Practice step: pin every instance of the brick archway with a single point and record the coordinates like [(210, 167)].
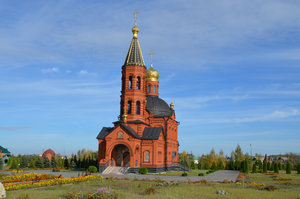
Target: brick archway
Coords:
[(120, 156)]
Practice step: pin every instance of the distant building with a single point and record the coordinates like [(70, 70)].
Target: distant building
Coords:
[(4, 154), (49, 153)]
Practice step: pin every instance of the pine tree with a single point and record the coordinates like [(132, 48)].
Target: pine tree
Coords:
[(268, 165), (272, 166), (66, 163), (265, 167), (32, 164), (39, 163), (213, 166), (246, 166), (279, 165), (73, 164), (237, 165), (298, 168), (220, 164), (254, 169), (46, 162), (276, 168), (53, 162), (14, 164), (1, 163), (288, 168), (23, 163), (231, 166)]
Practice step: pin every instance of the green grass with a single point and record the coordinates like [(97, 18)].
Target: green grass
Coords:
[(136, 189)]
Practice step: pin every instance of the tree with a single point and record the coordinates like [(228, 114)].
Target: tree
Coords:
[(288, 168), (298, 168), (46, 162), (213, 166), (53, 162), (265, 170), (66, 163), (237, 165), (269, 166), (238, 153), (279, 165), (32, 164), (276, 168), (220, 164), (23, 163), (1, 163), (73, 164), (14, 164), (254, 169), (39, 163), (231, 166), (246, 165)]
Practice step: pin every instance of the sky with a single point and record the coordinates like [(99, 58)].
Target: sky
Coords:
[(232, 69)]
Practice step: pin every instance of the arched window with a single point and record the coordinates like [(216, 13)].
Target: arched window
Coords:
[(129, 107), (138, 83), (138, 107), (153, 89), (130, 82), (147, 156), (149, 88)]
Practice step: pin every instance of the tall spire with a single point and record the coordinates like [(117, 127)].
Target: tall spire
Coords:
[(134, 56)]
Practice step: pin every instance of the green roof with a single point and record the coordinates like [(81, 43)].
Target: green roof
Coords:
[(4, 150)]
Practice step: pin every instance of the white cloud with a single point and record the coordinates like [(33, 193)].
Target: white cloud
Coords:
[(83, 72), (50, 70)]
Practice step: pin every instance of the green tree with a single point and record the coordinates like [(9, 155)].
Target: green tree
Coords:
[(73, 164), (265, 168), (288, 168), (254, 168), (220, 164), (14, 164), (213, 166), (66, 163), (1, 163), (32, 164), (23, 163), (298, 168), (39, 162), (53, 162), (199, 165), (237, 165), (246, 165), (279, 165), (238, 153), (276, 168), (269, 166), (46, 162)]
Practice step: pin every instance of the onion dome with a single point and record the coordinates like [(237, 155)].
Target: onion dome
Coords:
[(152, 74), (135, 31), (171, 105)]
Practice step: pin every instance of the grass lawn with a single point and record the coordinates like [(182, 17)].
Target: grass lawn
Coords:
[(137, 189)]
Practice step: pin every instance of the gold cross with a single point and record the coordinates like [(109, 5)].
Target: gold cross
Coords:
[(151, 54), (135, 14)]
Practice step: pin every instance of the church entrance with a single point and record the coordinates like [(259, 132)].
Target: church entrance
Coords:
[(120, 156)]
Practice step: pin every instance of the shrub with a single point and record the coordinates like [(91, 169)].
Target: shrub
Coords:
[(265, 167), (201, 174), (143, 170), (288, 168), (276, 168), (184, 174), (298, 168), (254, 170), (92, 169), (1, 164)]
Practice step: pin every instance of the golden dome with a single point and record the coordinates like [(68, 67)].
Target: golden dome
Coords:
[(135, 30), (152, 74), (171, 105)]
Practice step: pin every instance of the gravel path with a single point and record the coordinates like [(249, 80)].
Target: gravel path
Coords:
[(216, 176)]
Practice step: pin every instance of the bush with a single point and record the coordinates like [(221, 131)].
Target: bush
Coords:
[(184, 174), (265, 167), (92, 169), (1, 164), (254, 169), (298, 168), (276, 168), (143, 170), (288, 168), (201, 174)]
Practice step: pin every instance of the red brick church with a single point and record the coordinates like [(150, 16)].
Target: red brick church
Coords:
[(146, 133)]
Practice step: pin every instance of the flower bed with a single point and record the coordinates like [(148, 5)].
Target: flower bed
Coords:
[(27, 177), (282, 179), (251, 184), (56, 181)]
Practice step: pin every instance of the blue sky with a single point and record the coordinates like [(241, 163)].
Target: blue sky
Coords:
[(231, 67)]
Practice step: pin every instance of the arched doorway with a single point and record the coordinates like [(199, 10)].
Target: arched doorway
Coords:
[(120, 156)]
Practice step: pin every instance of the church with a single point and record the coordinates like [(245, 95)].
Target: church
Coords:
[(146, 133)]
